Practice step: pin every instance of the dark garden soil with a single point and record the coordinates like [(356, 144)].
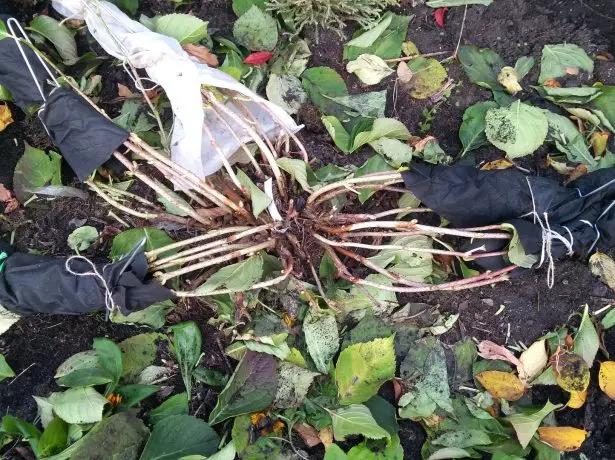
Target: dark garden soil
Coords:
[(513, 28)]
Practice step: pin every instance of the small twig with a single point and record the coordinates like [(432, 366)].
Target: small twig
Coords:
[(378, 178), (416, 56), (21, 373), (116, 204)]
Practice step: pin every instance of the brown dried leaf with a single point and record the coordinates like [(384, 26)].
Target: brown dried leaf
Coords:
[(6, 117), (490, 350), (552, 83), (579, 171), (326, 436), (562, 438), (404, 74), (202, 53), (308, 433), (559, 166), (123, 91), (420, 145)]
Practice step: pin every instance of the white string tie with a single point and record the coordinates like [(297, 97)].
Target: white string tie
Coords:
[(110, 305)]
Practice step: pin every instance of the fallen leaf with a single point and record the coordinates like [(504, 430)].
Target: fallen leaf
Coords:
[(409, 49), (490, 350), (577, 399), (603, 267), (398, 390), (9, 200), (123, 91), (562, 438), (421, 144), (571, 372), (533, 361), (308, 433), (509, 79), (497, 164), (606, 378), (552, 83), (326, 436), (571, 70), (202, 53), (502, 385), (599, 141), (579, 171), (404, 74), (258, 58), (6, 117), (439, 15), (559, 166)]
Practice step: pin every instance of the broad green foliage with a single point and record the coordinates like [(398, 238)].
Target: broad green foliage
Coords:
[(124, 242), (526, 424), (482, 66), (182, 27), (54, 438), (235, 277), (34, 170), (472, 130), (138, 352), (606, 103), (516, 252), (299, 171), (384, 40), (175, 405), (256, 30), (322, 339), (567, 138), (518, 130), (242, 6), (152, 316), (322, 84), (110, 360), (187, 348), (133, 394), (362, 368), (79, 405), (392, 450), (251, 388), (260, 200), (5, 369), (82, 238), (59, 35), (356, 419), (558, 60), (574, 95)]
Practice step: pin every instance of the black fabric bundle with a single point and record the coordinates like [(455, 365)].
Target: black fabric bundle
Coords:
[(41, 284), (582, 212)]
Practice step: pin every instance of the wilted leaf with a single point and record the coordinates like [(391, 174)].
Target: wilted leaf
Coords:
[(299, 170), (287, 92), (322, 339), (5, 369), (603, 267), (251, 388), (79, 405), (59, 35), (34, 170), (256, 30), (606, 378), (82, 238), (182, 27), (586, 340), (496, 164), (308, 434), (356, 419), (533, 361), (562, 438), (577, 399), (571, 372), (6, 117), (526, 424), (599, 141), (370, 69), (153, 316), (518, 130), (202, 53), (509, 79), (123, 90), (472, 130), (236, 277), (502, 385), (562, 59), (426, 77), (187, 348), (363, 367)]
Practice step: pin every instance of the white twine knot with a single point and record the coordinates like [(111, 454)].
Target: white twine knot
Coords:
[(110, 305)]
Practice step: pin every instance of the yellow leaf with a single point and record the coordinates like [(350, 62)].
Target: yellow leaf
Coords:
[(6, 117), (577, 399), (533, 361), (502, 385), (571, 372), (606, 378), (509, 79), (326, 436), (562, 438), (603, 267), (496, 164), (599, 142)]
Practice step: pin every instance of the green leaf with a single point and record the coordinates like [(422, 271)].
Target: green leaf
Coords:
[(138, 352), (607, 322), (516, 252), (386, 45), (321, 338), (17, 427), (518, 130), (568, 139), (396, 152), (524, 65), (241, 6), (287, 92), (59, 35), (175, 405), (525, 425), (448, 453), (34, 170), (322, 84), (558, 60), (482, 66), (260, 200), (370, 69), (54, 438), (586, 341), (153, 316), (82, 238), (251, 388), (356, 419), (256, 30), (266, 345), (124, 242), (334, 452), (362, 368), (544, 451), (384, 413), (240, 432), (79, 405), (133, 394), (338, 133), (359, 299), (452, 3), (575, 95), (110, 359), (472, 130), (369, 36), (211, 377), (293, 385), (82, 360), (180, 435), (463, 438), (377, 451), (428, 77), (465, 355), (606, 103), (187, 348), (363, 105), (382, 127), (369, 328), (5, 369), (85, 378), (236, 277), (182, 27), (299, 171)]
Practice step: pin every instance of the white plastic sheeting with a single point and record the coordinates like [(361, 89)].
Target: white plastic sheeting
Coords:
[(181, 76)]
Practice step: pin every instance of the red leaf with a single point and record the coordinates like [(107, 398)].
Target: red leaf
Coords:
[(258, 58), (439, 16)]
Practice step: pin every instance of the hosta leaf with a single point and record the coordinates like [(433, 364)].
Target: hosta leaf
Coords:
[(187, 348), (299, 170), (322, 339), (54, 438), (526, 424), (562, 59), (236, 277), (182, 27), (363, 367), (110, 359), (175, 405), (251, 388), (79, 405), (356, 419)]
